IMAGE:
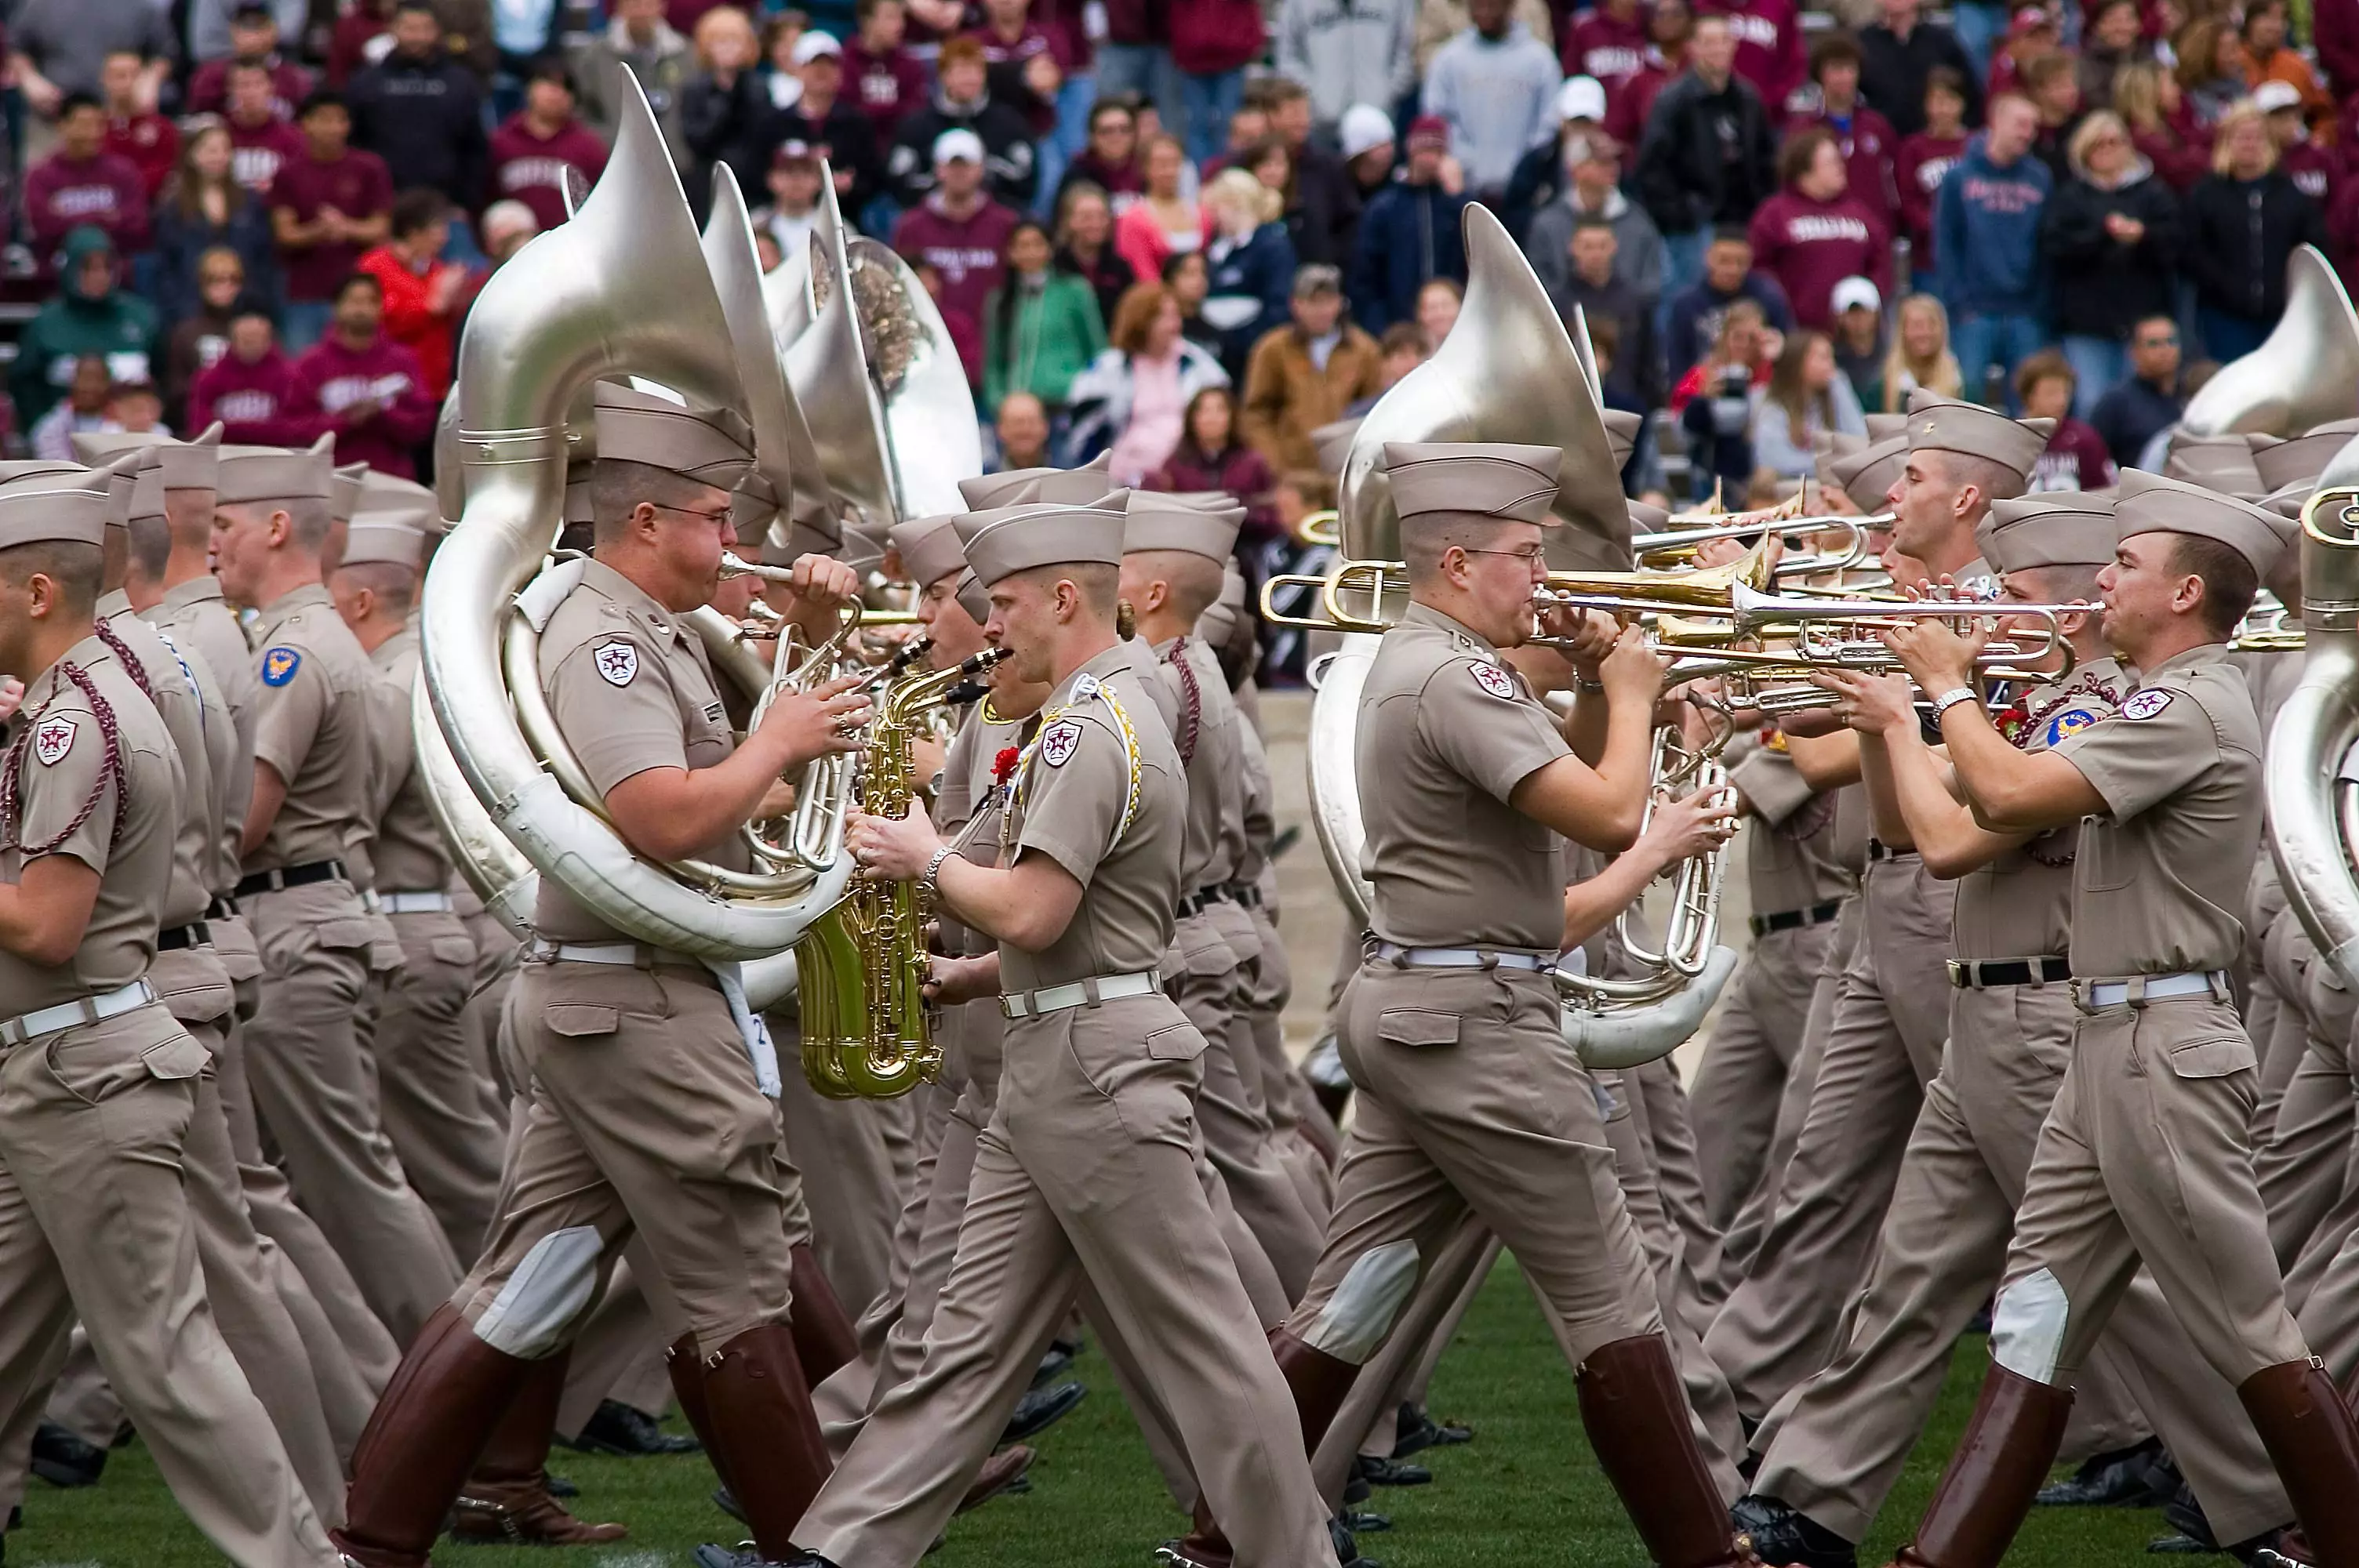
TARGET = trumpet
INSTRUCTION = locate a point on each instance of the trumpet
(1678, 547)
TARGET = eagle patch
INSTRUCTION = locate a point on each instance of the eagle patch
(2145, 705)
(1493, 680)
(2065, 723)
(279, 664)
(52, 738)
(1059, 741)
(618, 663)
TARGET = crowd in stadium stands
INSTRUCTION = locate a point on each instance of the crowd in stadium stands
(1191, 232)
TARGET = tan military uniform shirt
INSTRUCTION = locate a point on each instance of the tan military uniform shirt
(1447, 731)
(197, 618)
(1212, 754)
(2019, 904)
(2159, 879)
(173, 685)
(1115, 824)
(630, 689)
(1791, 858)
(58, 760)
(313, 727)
(973, 799)
(409, 852)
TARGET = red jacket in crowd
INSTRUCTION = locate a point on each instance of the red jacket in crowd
(1923, 161)
(1769, 52)
(1810, 246)
(250, 400)
(150, 143)
(409, 317)
(1209, 37)
(2076, 458)
(965, 251)
(531, 168)
(1626, 110)
(331, 381)
(62, 194)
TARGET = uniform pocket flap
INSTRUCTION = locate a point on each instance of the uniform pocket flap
(179, 1057)
(347, 931)
(2212, 1058)
(1175, 1043)
(1215, 957)
(458, 950)
(1417, 1026)
(575, 1020)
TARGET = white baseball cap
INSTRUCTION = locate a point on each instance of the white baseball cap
(958, 143)
(1855, 292)
(1365, 127)
(1581, 98)
(2271, 96)
(814, 43)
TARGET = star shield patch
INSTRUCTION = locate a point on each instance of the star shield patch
(1493, 680)
(279, 664)
(1059, 741)
(2145, 705)
(52, 738)
(618, 663)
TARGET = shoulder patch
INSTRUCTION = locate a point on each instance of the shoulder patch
(279, 664)
(618, 663)
(1492, 679)
(2145, 704)
(53, 738)
(1059, 741)
(2065, 723)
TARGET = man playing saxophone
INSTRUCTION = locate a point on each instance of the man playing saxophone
(652, 1120)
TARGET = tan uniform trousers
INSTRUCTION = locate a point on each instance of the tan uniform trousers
(1836, 1446)
(1087, 1171)
(2304, 1167)
(431, 1083)
(1882, 1045)
(1293, 1109)
(2146, 1158)
(94, 1218)
(315, 1085)
(1664, 1117)
(1751, 1050)
(848, 1180)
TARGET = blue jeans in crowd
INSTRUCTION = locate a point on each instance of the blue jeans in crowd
(1208, 102)
(1682, 267)
(2001, 340)
(303, 322)
(1980, 26)
(2097, 364)
(2227, 336)
(1145, 69)
(1056, 151)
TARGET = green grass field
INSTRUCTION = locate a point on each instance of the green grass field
(1524, 1494)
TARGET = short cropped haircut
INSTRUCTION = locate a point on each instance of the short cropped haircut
(75, 567)
(2229, 583)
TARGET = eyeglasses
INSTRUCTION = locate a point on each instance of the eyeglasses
(725, 514)
(1530, 555)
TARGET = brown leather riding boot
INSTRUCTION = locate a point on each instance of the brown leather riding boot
(1320, 1383)
(506, 1500)
(2010, 1441)
(764, 1436)
(425, 1435)
(686, 1369)
(2314, 1443)
(824, 1338)
(1636, 1413)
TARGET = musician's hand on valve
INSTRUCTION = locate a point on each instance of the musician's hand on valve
(1696, 825)
(891, 849)
(1938, 654)
(955, 980)
(1633, 672)
(1871, 704)
(818, 589)
(778, 801)
(809, 724)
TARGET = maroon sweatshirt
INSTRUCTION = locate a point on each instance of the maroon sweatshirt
(250, 400)
(330, 378)
(966, 251)
(1608, 49)
(150, 143)
(885, 86)
(1810, 246)
(2076, 458)
(258, 152)
(107, 190)
(1769, 52)
(531, 168)
(209, 87)
(1868, 144)
(357, 185)
(1924, 160)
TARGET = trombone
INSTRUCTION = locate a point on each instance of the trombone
(1678, 547)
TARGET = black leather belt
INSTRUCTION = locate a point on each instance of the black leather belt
(172, 939)
(292, 877)
(1795, 919)
(1203, 899)
(1877, 849)
(221, 908)
(1246, 893)
(1981, 973)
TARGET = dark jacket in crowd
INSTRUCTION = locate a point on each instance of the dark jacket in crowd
(1326, 208)
(1408, 234)
(1987, 229)
(845, 136)
(723, 124)
(1008, 154)
(182, 240)
(2239, 235)
(1684, 178)
(1891, 76)
(2100, 287)
(1110, 278)
(2131, 414)
(425, 118)
(1636, 359)
(1260, 270)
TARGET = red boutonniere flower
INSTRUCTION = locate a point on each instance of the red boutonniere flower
(1003, 766)
(2012, 723)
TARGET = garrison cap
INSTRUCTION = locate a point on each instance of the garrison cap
(2222, 463)
(1219, 621)
(344, 492)
(187, 465)
(51, 503)
(1648, 519)
(1012, 539)
(387, 498)
(1937, 424)
(1831, 446)
(1883, 427)
(1866, 475)
(2054, 528)
(1158, 522)
(973, 597)
(711, 445)
(930, 547)
(1334, 444)
(121, 473)
(2305, 457)
(1484, 478)
(272, 473)
(2152, 503)
(1063, 487)
(385, 536)
(1622, 428)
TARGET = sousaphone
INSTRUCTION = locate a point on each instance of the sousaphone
(2305, 373)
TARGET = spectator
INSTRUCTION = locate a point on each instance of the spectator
(1408, 234)
(246, 389)
(792, 212)
(2112, 37)
(2053, 85)
(1608, 42)
(1110, 161)
(2211, 69)
(1365, 140)
(1250, 261)
(358, 385)
(885, 78)
(2111, 236)
(252, 39)
(134, 132)
(200, 335)
(1594, 166)
(1897, 59)
(1085, 246)
(1866, 138)
(1041, 326)
(1987, 228)
(1691, 322)
(81, 411)
(1580, 112)
(640, 40)
(1211, 42)
(1439, 21)
(1021, 431)
(506, 226)
(1022, 62)
(83, 184)
(1858, 338)
(1924, 161)
(1714, 401)
(2148, 401)
(1591, 287)
(779, 80)
(1164, 219)
(1132, 400)
(1671, 26)
(1403, 348)
(542, 147)
(204, 209)
(1189, 278)
(422, 295)
(1212, 455)
(722, 105)
(1920, 355)
(832, 125)
(1806, 397)
(1769, 52)
(1322, 208)
(1813, 234)
(2162, 127)
(958, 228)
(1709, 157)
(2031, 35)
(2243, 221)
(221, 30)
(91, 313)
(2313, 168)
(421, 111)
(2269, 56)
(1438, 304)
(2075, 458)
(1304, 374)
(1133, 58)
(1348, 51)
(1494, 85)
(59, 48)
(327, 208)
(362, 34)
(260, 142)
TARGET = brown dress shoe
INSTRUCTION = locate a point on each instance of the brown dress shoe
(999, 1472)
(522, 1513)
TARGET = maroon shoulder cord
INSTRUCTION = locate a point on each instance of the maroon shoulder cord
(109, 768)
(1194, 705)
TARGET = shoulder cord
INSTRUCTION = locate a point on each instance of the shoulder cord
(1191, 703)
(110, 769)
(124, 655)
(1048, 721)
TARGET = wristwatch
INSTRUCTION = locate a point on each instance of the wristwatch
(1950, 699)
(930, 882)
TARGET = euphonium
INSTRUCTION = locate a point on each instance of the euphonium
(864, 964)
(2305, 375)
(2313, 800)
